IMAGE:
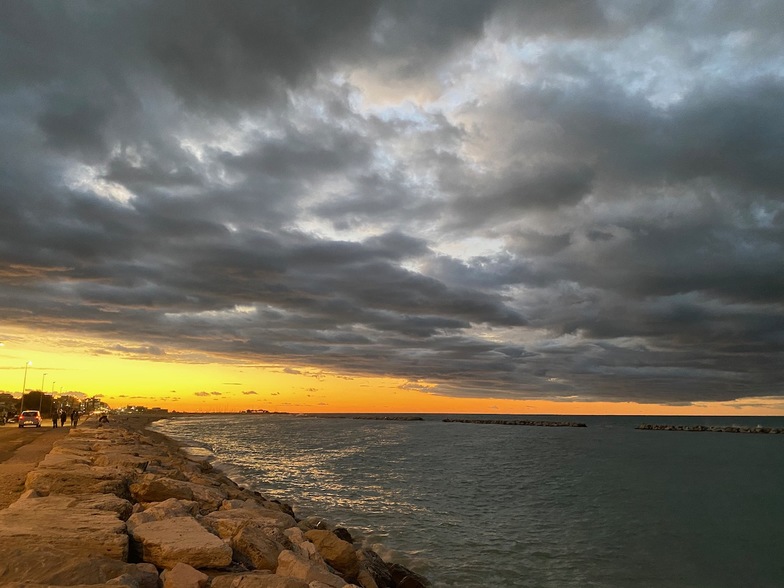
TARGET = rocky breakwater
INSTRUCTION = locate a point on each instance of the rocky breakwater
(523, 423)
(759, 429)
(117, 506)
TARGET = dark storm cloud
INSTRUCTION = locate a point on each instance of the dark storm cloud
(507, 199)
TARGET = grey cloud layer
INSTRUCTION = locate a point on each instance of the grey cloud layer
(589, 204)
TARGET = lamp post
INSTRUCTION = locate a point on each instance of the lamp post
(24, 383)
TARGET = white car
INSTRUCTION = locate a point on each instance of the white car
(30, 417)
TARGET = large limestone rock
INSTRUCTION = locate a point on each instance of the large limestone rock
(293, 566)
(84, 524)
(78, 479)
(124, 459)
(158, 489)
(227, 523)
(258, 547)
(52, 566)
(209, 498)
(336, 552)
(154, 488)
(63, 457)
(184, 576)
(301, 546)
(182, 539)
(159, 511)
(256, 580)
(247, 499)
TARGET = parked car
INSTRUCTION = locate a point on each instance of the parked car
(30, 417)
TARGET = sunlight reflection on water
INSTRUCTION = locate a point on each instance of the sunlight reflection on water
(469, 505)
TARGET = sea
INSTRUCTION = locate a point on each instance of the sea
(481, 505)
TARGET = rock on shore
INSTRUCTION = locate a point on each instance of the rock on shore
(115, 506)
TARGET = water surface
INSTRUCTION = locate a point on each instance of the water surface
(491, 505)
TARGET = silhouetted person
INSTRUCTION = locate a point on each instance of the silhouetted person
(74, 417)
(55, 418)
(63, 416)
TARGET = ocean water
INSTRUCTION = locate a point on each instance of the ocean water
(471, 505)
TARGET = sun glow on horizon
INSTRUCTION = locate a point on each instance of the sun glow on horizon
(123, 374)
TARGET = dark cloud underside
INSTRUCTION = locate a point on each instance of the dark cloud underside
(511, 199)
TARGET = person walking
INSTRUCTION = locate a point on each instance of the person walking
(63, 416)
(74, 417)
(55, 417)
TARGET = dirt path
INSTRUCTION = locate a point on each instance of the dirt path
(20, 452)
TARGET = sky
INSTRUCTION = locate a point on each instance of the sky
(400, 206)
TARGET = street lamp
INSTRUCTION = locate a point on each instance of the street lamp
(24, 383)
(41, 400)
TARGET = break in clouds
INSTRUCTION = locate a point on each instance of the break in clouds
(557, 200)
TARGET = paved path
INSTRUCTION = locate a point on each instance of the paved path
(20, 452)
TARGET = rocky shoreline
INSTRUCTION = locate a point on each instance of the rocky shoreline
(117, 505)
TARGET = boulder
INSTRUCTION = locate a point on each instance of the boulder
(343, 533)
(366, 580)
(144, 575)
(256, 580)
(158, 489)
(122, 459)
(293, 566)
(209, 498)
(84, 524)
(372, 567)
(232, 503)
(158, 511)
(301, 546)
(55, 566)
(227, 523)
(182, 539)
(108, 502)
(258, 547)
(78, 479)
(336, 552)
(313, 523)
(60, 457)
(245, 499)
(184, 576)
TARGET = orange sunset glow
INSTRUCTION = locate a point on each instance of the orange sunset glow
(179, 382)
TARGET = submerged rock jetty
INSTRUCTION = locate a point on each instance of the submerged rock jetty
(523, 423)
(759, 429)
(116, 505)
(370, 417)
